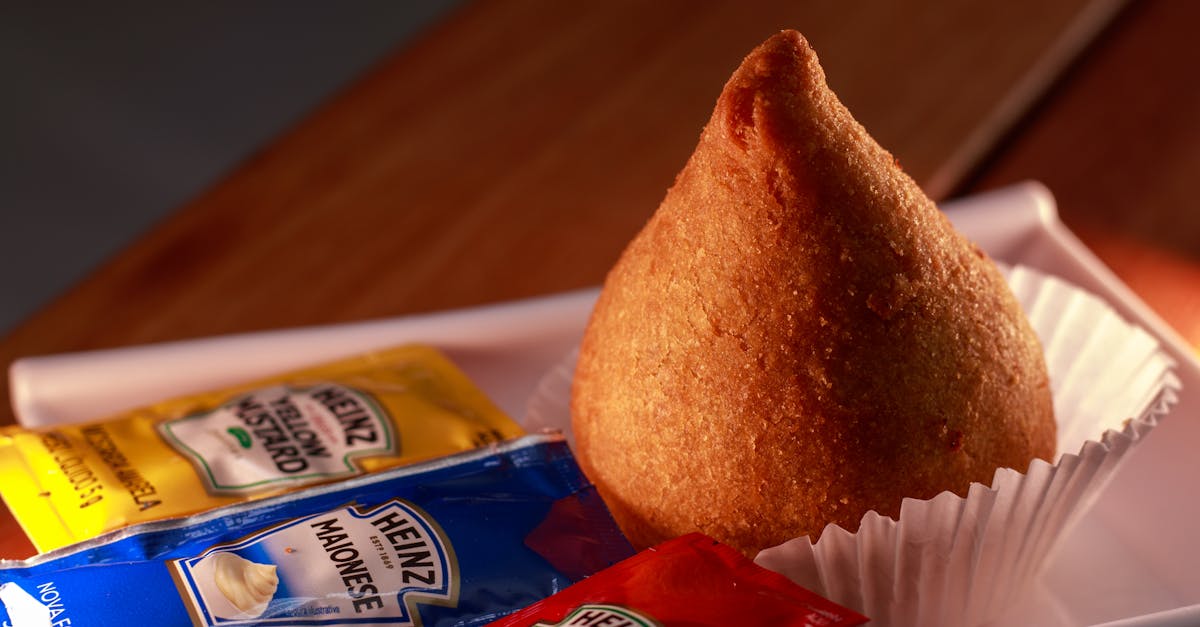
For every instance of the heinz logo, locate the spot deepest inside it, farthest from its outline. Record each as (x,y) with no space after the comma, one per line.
(603,616)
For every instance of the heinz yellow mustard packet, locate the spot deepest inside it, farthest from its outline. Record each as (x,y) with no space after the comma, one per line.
(195,453)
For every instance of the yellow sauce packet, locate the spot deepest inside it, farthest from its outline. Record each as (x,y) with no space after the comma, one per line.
(191,454)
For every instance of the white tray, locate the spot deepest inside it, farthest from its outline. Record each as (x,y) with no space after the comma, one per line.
(1134,559)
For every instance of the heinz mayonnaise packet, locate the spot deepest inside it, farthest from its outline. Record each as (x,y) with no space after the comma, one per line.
(460,540)
(195,453)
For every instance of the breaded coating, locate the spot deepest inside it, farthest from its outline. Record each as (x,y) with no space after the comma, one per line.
(798,335)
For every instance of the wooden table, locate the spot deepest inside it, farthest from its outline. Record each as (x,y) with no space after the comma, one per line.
(514,149)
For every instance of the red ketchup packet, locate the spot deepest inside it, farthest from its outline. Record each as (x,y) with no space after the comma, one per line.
(691,581)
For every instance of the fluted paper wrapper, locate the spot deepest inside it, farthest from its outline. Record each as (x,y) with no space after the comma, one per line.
(962,561)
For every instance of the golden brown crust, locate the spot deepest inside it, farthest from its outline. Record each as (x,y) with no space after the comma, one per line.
(798,335)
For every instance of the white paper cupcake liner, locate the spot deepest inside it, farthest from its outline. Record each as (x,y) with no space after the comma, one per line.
(962,561)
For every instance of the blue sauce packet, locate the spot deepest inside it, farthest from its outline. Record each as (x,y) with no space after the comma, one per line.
(460,540)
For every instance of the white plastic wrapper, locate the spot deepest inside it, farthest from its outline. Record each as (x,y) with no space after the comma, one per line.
(962,561)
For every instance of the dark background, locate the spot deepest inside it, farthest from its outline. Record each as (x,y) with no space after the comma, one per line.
(115,113)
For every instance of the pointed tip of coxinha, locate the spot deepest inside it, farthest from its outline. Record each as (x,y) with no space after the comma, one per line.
(772,94)
(798,336)
(785,180)
(778,123)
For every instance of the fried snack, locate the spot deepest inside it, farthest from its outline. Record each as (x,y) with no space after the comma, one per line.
(798,335)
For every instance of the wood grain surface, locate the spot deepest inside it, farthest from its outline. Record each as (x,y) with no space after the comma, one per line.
(514,149)
(1118,142)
